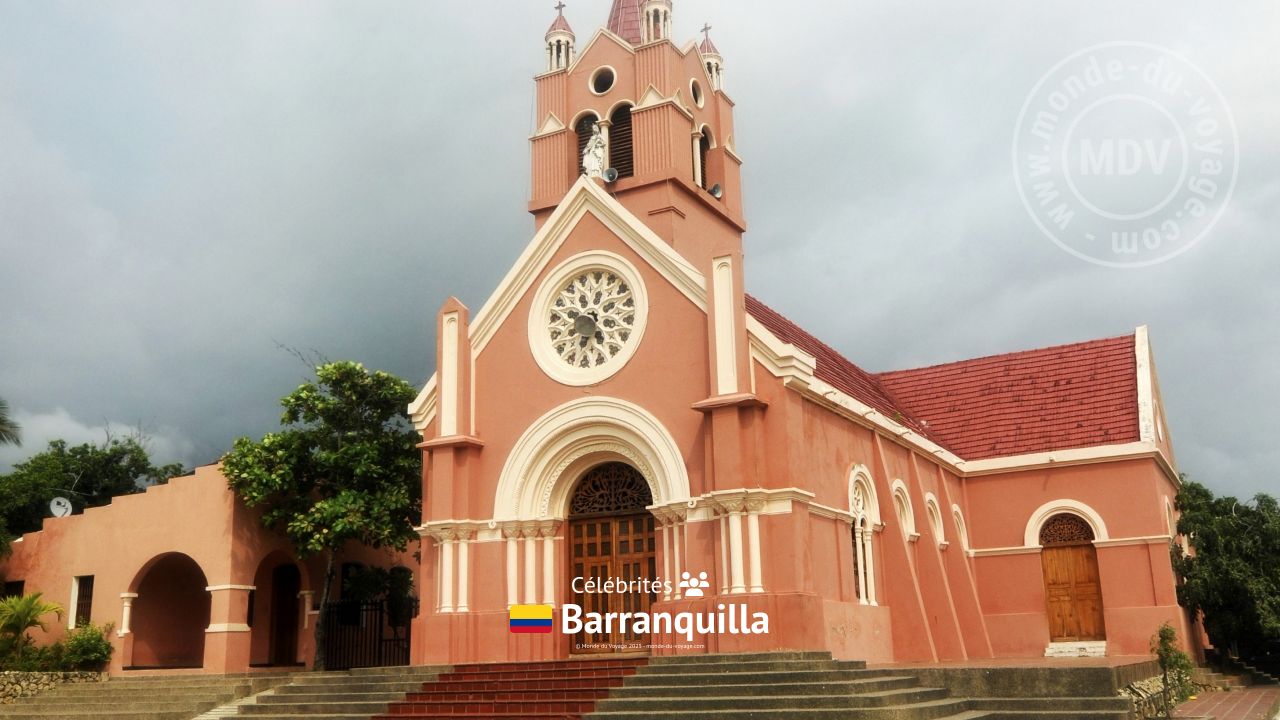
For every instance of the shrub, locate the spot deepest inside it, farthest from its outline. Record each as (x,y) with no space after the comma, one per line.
(88,648)
(1175,667)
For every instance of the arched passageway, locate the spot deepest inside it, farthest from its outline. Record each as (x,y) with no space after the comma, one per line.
(170,613)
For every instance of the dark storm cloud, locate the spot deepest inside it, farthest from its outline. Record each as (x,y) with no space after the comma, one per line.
(183,187)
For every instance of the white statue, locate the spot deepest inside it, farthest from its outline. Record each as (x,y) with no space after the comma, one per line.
(593,156)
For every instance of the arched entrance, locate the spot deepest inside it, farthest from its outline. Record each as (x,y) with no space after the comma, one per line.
(170,614)
(1072,586)
(611,536)
(275,615)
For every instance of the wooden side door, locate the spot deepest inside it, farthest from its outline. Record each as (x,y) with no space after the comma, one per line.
(1073,593)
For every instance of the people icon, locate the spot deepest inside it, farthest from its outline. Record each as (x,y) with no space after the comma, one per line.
(693,587)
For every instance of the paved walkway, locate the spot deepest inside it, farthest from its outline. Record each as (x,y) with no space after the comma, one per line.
(1249,704)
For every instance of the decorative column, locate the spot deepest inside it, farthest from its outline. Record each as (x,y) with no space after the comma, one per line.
(736,570)
(722,519)
(547,532)
(663,519)
(754,507)
(464,572)
(444,542)
(677,541)
(511,538)
(529,535)
(126,612)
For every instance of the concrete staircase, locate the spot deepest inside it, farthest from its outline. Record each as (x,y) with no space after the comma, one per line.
(180,697)
(776,686)
(350,695)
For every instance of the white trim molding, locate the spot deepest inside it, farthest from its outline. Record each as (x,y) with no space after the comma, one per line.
(537,478)
(1146,386)
(223,588)
(1055,507)
(228,628)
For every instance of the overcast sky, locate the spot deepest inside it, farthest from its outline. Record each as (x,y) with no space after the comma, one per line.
(184,186)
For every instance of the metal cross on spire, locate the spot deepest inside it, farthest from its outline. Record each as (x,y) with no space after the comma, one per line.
(560,6)
(706,30)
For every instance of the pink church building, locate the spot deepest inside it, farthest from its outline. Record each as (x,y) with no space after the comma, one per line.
(622,408)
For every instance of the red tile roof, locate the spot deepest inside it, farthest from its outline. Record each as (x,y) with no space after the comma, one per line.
(1069,396)
(1055,398)
(624,20)
(834,368)
(706,47)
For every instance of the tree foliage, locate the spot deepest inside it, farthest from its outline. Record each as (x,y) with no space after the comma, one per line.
(88,475)
(344,469)
(1232,574)
(10,431)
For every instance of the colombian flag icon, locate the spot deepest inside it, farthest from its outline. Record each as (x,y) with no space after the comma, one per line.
(531,619)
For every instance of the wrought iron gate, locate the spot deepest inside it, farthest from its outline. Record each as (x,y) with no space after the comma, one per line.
(368,634)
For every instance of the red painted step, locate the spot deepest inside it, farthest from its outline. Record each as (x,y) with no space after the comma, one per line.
(562,689)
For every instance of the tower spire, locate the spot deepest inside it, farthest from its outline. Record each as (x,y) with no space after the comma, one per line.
(560,42)
(712,59)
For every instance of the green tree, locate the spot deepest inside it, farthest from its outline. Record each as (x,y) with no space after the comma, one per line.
(344,469)
(1175,668)
(1232,574)
(10,431)
(88,475)
(20,614)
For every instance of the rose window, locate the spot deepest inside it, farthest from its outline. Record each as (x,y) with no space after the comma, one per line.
(592,318)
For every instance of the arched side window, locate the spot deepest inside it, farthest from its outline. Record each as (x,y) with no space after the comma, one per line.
(1066,529)
(584,127)
(865,511)
(962,529)
(934,513)
(621,150)
(906,515)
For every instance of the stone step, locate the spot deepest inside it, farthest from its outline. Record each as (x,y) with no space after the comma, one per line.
(356,686)
(726,701)
(279,698)
(763,665)
(361,708)
(518,685)
(732,676)
(741,657)
(843,687)
(125,700)
(936,710)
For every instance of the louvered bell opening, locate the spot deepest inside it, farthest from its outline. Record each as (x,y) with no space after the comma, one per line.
(621,150)
(704,146)
(583,129)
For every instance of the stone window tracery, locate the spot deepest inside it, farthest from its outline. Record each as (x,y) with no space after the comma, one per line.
(591,320)
(613,487)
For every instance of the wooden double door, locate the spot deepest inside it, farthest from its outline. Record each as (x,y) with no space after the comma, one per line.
(1073,591)
(619,548)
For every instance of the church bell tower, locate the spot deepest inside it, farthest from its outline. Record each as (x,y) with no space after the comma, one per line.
(653,122)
